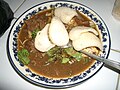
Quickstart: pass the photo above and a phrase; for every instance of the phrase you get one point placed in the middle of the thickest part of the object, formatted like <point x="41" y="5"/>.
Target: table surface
<point x="105" y="79"/>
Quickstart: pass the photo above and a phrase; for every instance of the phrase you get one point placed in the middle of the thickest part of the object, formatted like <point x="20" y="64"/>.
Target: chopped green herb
<point x="69" y="51"/>
<point x="63" y="54"/>
<point x="51" y="59"/>
<point x="54" y="54"/>
<point x="52" y="51"/>
<point x="65" y="60"/>
<point x="34" y="33"/>
<point x="77" y="55"/>
<point x="23" y="56"/>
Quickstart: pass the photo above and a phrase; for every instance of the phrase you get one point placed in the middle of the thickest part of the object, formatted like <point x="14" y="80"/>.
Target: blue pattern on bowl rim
<point x="39" y="80"/>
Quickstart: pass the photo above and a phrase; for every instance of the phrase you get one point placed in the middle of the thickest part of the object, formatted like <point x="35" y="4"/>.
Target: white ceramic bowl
<point x="36" y="79"/>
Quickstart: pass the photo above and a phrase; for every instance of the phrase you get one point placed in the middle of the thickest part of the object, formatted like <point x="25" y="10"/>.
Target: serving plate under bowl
<point x="39" y="80"/>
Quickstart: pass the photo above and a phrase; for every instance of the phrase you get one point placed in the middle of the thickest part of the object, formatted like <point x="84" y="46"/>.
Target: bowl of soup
<point x="44" y="44"/>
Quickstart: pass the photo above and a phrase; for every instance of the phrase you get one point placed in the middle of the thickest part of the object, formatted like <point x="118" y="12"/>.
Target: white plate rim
<point x="45" y="85"/>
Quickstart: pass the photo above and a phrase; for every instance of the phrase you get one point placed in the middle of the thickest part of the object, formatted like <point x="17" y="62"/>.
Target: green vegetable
<point x="34" y="33"/>
<point x="65" y="60"/>
<point x="63" y="54"/>
<point x="70" y="51"/>
<point x="51" y="59"/>
<point x="77" y="56"/>
<point x="53" y="51"/>
<point x="23" y="56"/>
<point x="54" y="54"/>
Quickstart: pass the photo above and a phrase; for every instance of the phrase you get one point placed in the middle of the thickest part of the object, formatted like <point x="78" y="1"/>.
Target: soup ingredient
<point x="65" y="60"/>
<point x="23" y="56"/>
<point x="54" y="54"/>
<point x="77" y="31"/>
<point x="65" y="14"/>
<point x="60" y="61"/>
<point x="53" y="51"/>
<point x="92" y="50"/>
<point x="76" y="55"/>
<point x="34" y="33"/>
<point x="58" y="33"/>
<point x="64" y="54"/>
<point x="87" y="40"/>
<point x="42" y="42"/>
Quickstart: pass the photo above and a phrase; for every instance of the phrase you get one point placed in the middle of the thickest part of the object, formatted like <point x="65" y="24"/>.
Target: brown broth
<point x="38" y="60"/>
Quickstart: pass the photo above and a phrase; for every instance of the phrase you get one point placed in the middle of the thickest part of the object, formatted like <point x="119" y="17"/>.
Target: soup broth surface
<point x="38" y="60"/>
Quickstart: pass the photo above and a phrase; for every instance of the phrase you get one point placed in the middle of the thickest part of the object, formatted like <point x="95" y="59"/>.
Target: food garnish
<point x="55" y="37"/>
<point x="34" y="33"/>
<point x="63" y="54"/>
<point x="23" y="56"/>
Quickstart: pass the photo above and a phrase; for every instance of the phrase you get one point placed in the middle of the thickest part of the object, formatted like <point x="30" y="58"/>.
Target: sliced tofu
<point x="58" y="33"/>
<point x="87" y="40"/>
<point x="65" y="14"/>
<point x="42" y="42"/>
<point x="77" y="31"/>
